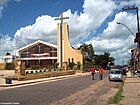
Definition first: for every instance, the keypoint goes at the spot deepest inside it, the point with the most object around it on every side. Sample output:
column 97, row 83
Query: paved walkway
column 131, row 91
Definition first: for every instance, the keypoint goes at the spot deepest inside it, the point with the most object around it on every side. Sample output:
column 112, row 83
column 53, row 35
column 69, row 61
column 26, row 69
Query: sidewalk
column 131, row 91
column 16, row 82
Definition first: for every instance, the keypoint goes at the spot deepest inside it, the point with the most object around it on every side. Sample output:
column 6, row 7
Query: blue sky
column 90, row 21
column 23, row 13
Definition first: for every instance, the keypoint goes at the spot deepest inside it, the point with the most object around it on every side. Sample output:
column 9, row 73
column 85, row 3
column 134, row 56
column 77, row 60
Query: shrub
column 10, row 66
column 71, row 65
column 79, row 65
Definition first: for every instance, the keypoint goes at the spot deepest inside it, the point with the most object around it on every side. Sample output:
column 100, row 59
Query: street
column 77, row 91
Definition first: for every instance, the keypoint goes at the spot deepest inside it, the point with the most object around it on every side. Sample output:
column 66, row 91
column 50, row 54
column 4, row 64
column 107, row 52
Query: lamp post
column 133, row 35
column 127, row 28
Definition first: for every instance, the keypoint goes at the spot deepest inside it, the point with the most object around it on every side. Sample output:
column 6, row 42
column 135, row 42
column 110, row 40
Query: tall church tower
column 64, row 50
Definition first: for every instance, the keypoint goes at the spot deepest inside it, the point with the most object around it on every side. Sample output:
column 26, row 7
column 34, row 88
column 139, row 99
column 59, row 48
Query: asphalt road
column 77, row 91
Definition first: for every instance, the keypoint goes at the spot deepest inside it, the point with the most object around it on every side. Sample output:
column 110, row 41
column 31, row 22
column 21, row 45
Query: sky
column 90, row 21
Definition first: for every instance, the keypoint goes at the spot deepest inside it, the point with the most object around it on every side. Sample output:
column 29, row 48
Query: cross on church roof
column 61, row 18
column 60, row 39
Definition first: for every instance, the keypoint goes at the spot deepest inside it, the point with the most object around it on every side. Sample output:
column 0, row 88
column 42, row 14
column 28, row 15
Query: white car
column 115, row 74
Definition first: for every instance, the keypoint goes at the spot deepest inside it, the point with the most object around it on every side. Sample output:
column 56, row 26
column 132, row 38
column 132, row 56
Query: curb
column 132, row 80
column 36, row 81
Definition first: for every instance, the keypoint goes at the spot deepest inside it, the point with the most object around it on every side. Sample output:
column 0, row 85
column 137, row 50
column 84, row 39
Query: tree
column 88, row 53
column 104, row 59
column 89, row 58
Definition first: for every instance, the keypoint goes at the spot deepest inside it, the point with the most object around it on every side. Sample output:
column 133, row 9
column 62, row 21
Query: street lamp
column 127, row 28
column 132, row 34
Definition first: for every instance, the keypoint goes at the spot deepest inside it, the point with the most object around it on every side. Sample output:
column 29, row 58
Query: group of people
column 100, row 72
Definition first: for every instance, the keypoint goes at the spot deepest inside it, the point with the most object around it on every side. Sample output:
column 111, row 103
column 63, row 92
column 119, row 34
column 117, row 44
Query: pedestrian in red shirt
column 92, row 72
column 101, row 73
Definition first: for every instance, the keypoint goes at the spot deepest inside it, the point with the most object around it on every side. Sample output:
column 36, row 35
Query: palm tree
column 88, row 53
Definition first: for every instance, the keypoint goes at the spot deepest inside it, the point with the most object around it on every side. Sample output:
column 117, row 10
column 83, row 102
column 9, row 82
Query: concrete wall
column 68, row 51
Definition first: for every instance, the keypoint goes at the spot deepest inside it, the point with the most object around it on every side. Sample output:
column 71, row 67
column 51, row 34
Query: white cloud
column 130, row 2
column 97, row 11
column 44, row 28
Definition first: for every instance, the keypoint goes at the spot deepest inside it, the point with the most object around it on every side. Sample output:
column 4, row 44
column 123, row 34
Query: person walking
column 101, row 73
column 92, row 72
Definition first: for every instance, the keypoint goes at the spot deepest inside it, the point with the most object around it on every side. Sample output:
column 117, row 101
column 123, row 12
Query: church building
column 43, row 54
column 38, row 54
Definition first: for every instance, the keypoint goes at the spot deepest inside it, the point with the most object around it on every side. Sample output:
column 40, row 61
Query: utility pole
column 137, row 38
column 61, row 35
column 137, row 9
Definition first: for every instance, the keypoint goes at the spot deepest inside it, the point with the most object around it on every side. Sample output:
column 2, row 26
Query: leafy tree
column 104, row 59
column 88, row 53
column 90, row 58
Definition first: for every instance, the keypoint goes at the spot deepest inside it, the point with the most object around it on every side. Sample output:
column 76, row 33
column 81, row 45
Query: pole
column 137, row 9
column 138, row 20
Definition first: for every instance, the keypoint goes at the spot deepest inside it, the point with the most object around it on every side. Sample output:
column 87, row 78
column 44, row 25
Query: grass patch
column 118, row 96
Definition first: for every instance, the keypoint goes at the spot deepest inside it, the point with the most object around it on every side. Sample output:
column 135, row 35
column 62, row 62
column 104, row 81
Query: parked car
column 115, row 74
